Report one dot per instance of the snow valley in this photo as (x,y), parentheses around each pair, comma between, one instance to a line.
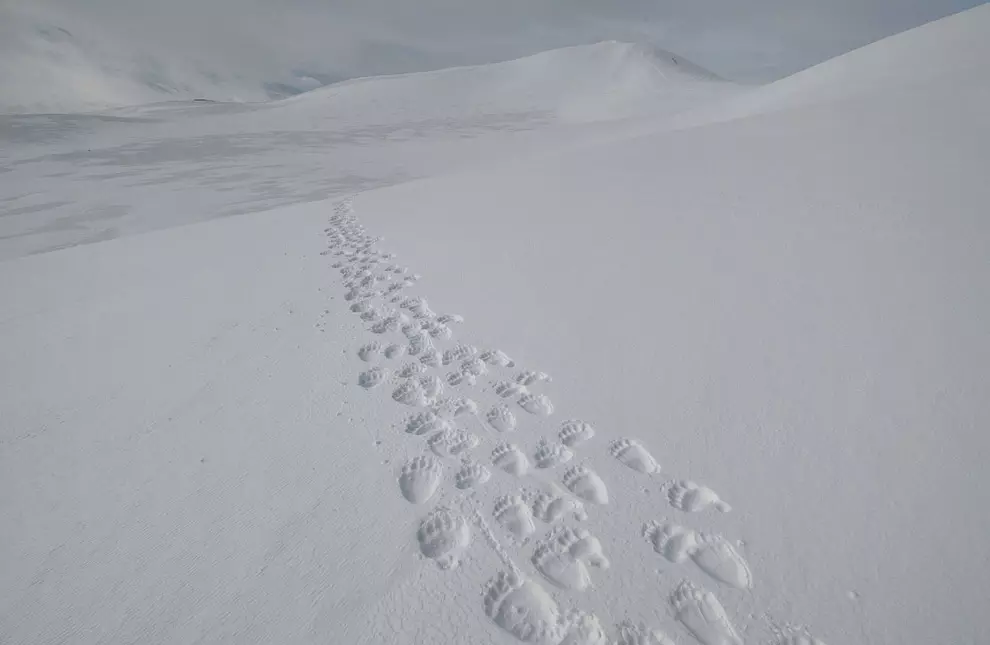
(588,347)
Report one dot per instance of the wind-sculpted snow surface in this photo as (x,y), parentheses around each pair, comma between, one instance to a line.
(535,505)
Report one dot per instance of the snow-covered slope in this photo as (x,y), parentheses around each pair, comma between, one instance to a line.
(953,48)
(788,307)
(729,382)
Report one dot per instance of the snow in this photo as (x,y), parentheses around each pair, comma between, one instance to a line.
(720,374)
(175,163)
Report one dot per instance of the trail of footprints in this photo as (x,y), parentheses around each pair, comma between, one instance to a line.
(424,368)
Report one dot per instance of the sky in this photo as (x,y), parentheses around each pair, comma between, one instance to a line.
(756,40)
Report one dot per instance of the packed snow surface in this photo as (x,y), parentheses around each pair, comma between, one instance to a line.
(717,374)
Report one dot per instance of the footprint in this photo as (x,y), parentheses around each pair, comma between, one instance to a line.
(458,353)
(515,516)
(528,378)
(703,615)
(419,344)
(361,307)
(551,454)
(510,458)
(474,366)
(395,350)
(411,329)
(582,628)
(551,507)
(633,634)
(497,357)
(392,323)
(441,332)
(691,498)
(471,475)
(538,404)
(371,315)
(586,484)
(632,453)
(412,303)
(372,378)
(430,358)
(370,352)
(432,385)
(720,560)
(574,432)
(501,418)
(456,379)
(672,541)
(443,535)
(425,423)
(522,608)
(411,393)
(451,408)
(563,557)
(410,370)
(420,478)
(452,442)
(505,389)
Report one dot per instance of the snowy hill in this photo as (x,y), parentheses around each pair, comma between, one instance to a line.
(608,80)
(788,306)
(952,49)
(519,371)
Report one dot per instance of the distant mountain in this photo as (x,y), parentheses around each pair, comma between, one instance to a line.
(48,67)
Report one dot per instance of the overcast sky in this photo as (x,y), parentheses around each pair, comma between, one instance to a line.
(739,39)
